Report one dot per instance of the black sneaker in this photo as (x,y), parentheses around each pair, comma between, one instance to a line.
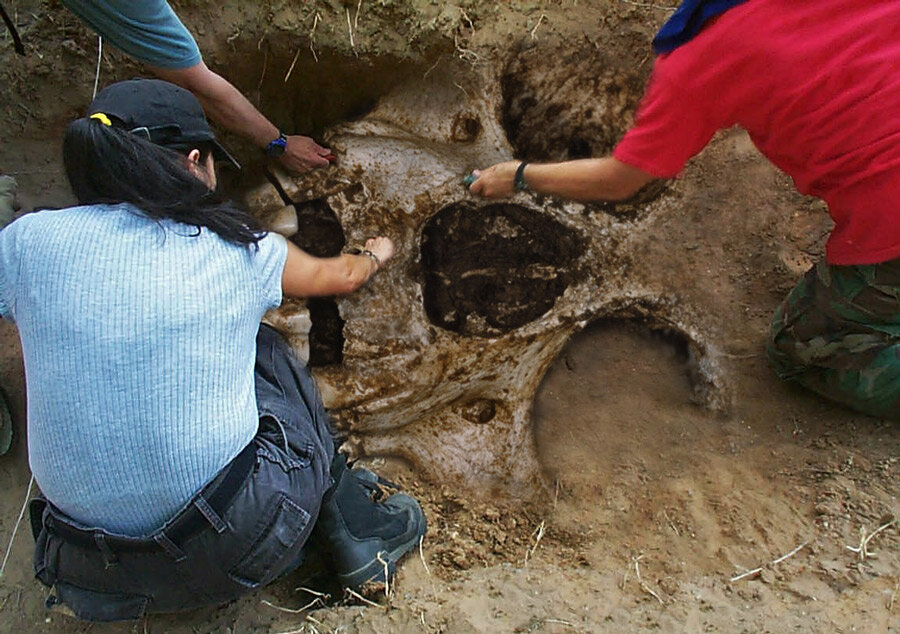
(366,536)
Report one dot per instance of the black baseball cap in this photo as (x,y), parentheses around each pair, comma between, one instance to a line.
(162,112)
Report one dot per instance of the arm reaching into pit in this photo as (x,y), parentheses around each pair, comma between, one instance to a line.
(225,105)
(584,179)
(152,33)
(308,276)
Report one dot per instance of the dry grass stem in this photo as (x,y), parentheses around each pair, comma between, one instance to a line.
(99,59)
(15,530)
(359,597)
(648,6)
(671,524)
(422,555)
(863,549)
(538,535)
(291,69)
(890,606)
(467,19)
(350,29)
(465,54)
(774,562)
(315,593)
(387,576)
(560,622)
(312,37)
(433,66)
(644,586)
(316,601)
(536,26)
(356,18)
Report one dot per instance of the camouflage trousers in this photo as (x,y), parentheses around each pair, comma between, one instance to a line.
(838,334)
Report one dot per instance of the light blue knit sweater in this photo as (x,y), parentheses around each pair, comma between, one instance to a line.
(139,346)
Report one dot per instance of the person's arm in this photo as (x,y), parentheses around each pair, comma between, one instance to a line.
(12,246)
(225,105)
(308,276)
(584,179)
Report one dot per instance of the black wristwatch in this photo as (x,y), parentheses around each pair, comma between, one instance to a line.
(276,147)
(519,183)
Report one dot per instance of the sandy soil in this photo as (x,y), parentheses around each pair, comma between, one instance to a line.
(663,517)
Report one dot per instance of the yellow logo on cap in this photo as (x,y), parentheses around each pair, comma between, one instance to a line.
(102,118)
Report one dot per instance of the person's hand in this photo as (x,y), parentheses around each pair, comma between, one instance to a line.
(303,154)
(382,247)
(496,181)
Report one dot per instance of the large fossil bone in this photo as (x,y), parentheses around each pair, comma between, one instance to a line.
(444,350)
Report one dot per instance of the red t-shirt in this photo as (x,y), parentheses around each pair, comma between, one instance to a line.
(816,84)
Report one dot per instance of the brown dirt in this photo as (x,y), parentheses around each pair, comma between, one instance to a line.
(494,268)
(656,504)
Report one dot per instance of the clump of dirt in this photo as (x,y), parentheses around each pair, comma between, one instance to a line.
(476,534)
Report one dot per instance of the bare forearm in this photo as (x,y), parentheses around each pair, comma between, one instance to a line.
(225,105)
(344,274)
(308,276)
(585,179)
(331,276)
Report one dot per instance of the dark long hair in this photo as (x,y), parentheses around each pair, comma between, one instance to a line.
(109,165)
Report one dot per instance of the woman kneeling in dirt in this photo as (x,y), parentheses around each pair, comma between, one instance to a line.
(183,450)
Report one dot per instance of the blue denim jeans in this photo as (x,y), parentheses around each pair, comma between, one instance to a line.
(204,556)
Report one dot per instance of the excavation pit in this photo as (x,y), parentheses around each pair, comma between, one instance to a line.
(551,114)
(326,336)
(491,269)
(319,231)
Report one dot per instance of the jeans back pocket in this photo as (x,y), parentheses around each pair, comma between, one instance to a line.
(277,544)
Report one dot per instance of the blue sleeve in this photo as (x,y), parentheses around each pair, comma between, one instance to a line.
(148,31)
(268,263)
(9,268)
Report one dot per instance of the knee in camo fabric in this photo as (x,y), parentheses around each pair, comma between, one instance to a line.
(838,334)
